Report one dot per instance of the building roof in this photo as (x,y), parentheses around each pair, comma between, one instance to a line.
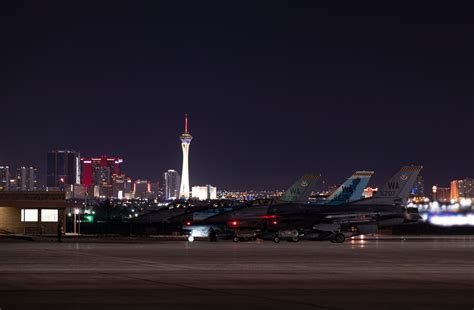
(36,200)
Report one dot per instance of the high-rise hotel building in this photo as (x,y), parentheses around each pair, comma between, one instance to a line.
(63,168)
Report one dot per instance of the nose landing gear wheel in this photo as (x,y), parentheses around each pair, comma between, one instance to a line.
(276,239)
(236,239)
(339,238)
(295,239)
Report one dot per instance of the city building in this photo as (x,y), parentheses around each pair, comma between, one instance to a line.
(119,182)
(141,189)
(204,192)
(4,178)
(171,184)
(75,191)
(63,168)
(186,138)
(26,179)
(93,191)
(469,187)
(129,196)
(462,189)
(100,170)
(441,194)
(105,191)
(155,190)
(12,184)
(419,187)
(128,186)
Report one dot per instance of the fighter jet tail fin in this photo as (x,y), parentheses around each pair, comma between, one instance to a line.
(300,191)
(397,189)
(351,189)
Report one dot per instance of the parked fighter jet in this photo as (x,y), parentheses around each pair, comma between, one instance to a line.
(299,192)
(328,222)
(350,190)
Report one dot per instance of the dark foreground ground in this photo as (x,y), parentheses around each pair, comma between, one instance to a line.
(384,274)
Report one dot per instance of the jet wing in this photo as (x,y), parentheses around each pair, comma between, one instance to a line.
(353,218)
(358,217)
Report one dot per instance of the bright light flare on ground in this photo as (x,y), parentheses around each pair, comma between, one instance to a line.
(452,220)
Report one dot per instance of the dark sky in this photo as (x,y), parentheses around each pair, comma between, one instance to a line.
(273,89)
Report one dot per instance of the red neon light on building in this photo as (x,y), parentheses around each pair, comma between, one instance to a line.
(87,173)
(103,161)
(116,167)
(89,165)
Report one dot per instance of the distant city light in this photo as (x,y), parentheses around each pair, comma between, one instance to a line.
(452,219)
(465,202)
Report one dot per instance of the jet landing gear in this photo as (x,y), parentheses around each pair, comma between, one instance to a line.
(288,235)
(294,239)
(277,239)
(338,238)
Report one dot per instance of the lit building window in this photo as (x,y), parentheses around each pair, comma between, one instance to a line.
(49,215)
(29,215)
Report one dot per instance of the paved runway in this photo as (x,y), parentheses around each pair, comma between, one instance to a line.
(391,274)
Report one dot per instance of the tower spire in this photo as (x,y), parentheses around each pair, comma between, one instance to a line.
(186,123)
(185,138)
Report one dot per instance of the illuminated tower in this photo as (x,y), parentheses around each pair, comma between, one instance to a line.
(185,142)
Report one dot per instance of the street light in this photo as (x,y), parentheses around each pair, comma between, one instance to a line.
(76,218)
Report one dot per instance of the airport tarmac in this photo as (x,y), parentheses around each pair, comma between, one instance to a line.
(360,274)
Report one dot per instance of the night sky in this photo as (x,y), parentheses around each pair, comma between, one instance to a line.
(273,89)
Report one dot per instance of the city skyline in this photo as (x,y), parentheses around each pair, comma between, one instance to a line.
(86,176)
(302,90)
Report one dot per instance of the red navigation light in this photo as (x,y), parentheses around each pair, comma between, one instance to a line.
(188,223)
(234,223)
